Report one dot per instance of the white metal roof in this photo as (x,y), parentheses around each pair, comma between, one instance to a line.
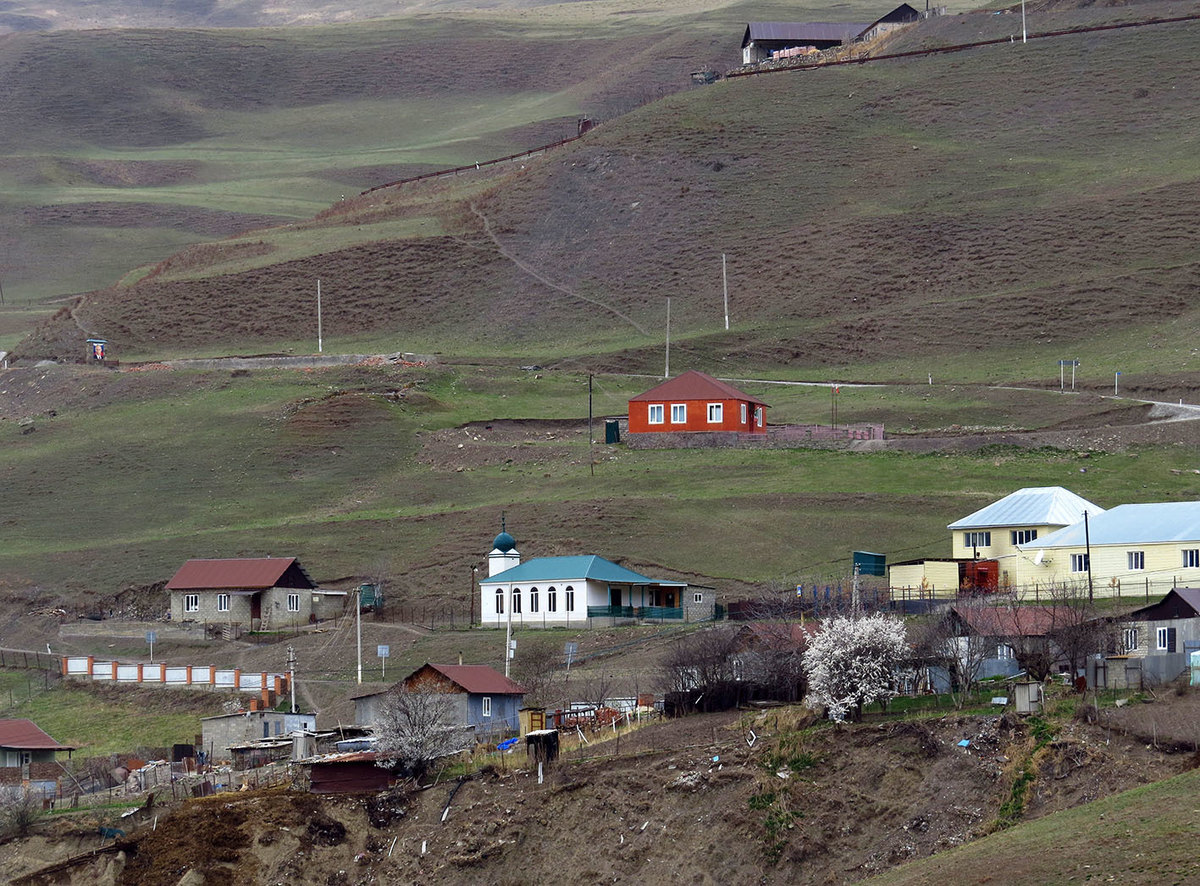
(1142,524)
(1032,506)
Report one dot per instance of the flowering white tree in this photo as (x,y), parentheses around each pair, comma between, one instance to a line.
(852,662)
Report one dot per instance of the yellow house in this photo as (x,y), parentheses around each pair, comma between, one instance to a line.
(1004,528)
(1135,550)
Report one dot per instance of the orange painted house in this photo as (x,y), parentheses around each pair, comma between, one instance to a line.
(696,402)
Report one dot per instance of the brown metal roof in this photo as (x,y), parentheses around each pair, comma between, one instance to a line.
(26,735)
(693,385)
(479,678)
(260,572)
(1019,621)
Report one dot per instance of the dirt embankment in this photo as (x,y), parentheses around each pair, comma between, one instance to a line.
(701,800)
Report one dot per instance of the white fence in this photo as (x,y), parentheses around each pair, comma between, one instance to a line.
(87,667)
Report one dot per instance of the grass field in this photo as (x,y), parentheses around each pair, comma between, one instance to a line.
(97,723)
(350,468)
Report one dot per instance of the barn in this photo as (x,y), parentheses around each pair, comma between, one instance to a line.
(695,401)
(761,40)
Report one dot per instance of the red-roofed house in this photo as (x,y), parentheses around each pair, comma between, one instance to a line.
(262,593)
(486,700)
(28,758)
(693,402)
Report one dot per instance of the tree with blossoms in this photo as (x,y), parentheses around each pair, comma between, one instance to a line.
(852,662)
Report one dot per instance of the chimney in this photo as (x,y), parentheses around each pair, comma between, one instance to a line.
(460,659)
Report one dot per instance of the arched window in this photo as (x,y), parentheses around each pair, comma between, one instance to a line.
(570,599)
(533,599)
(499,601)
(552,599)
(516,595)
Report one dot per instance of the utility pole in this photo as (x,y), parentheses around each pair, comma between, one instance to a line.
(667,369)
(1,293)
(508,633)
(855,602)
(1087,542)
(1024,35)
(591,436)
(725,287)
(319,343)
(292,674)
(358,619)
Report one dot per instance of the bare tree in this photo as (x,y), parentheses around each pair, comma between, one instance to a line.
(1076,627)
(539,668)
(19,809)
(1068,629)
(700,659)
(957,640)
(415,727)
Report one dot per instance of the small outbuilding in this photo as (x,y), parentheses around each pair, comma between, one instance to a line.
(29,758)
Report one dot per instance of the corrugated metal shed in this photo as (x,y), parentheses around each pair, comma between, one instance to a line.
(1032,506)
(804,32)
(694,385)
(258,572)
(1140,524)
(26,735)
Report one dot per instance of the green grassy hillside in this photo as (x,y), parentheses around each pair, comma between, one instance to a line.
(121,147)
(964,215)
(1140,836)
(113,479)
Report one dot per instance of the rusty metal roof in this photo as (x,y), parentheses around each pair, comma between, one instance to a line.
(25,734)
(478,678)
(259,572)
(694,385)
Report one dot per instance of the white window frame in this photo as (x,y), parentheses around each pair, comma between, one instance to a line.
(758,416)
(499,601)
(516,601)
(679,413)
(1136,560)
(654,414)
(1024,536)
(570,598)
(1129,639)
(716,411)
(977,539)
(743,413)
(293,603)
(1079,563)
(191,602)
(222,602)
(552,599)
(1191,558)
(1162,638)
(698,597)
(486,705)
(533,599)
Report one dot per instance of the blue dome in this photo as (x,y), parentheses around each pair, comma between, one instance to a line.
(504,542)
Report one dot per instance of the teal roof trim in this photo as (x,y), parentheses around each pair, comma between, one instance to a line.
(544,569)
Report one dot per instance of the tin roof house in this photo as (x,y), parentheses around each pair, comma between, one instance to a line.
(485,700)
(1130,550)
(693,402)
(579,590)
(28,757)
(765,40)
(986,544)
(258,593)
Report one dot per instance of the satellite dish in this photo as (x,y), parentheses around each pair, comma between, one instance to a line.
(1037,558)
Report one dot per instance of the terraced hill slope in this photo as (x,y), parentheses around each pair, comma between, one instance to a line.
(964,213)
